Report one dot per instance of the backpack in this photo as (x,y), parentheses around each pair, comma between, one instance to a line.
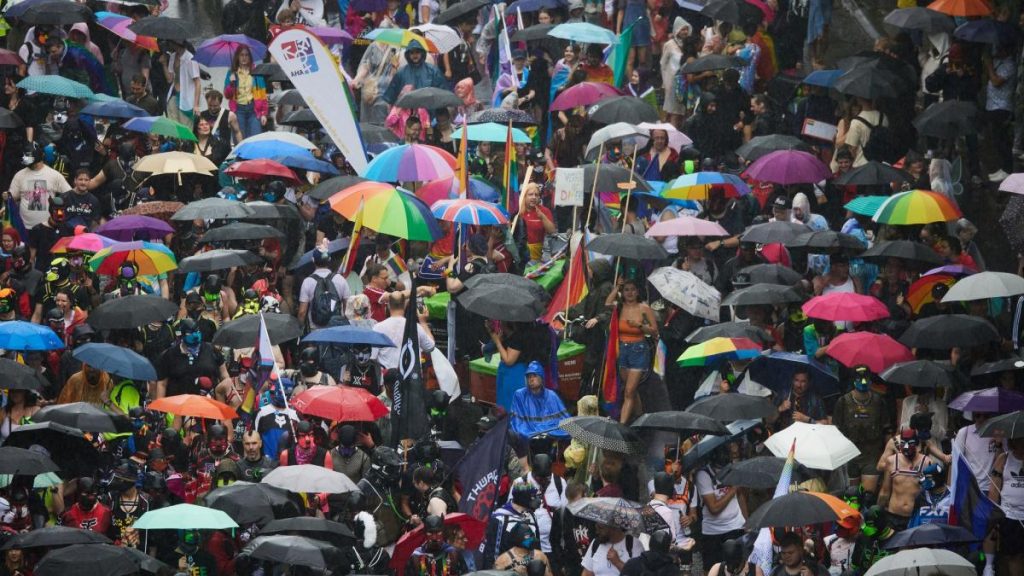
(882,142)
(326,303)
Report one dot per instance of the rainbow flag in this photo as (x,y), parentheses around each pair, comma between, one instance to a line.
(762,554)
(12,218)
(462,162)
(610,375)
(351,255)
(573,287)
(510,181)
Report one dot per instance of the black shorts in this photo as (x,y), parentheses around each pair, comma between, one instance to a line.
(1011,534)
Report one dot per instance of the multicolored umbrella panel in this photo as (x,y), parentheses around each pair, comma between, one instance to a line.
(149,258)
(410,163)
(916,207)
(85,242)
(402,38)
(921,291)
(219,51)
(119,24)
(716,350)
(697,186)
(475,212)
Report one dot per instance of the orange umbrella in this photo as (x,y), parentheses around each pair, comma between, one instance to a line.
(347,202)
(800,509)
(194,405)
(962,7)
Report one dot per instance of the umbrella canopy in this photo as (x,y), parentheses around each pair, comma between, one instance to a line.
(709,444)
(731,330)
(148,258)
(921,291)
(986,31)
(69,447)
(473,529)
(83,416)
(163,28)
(948,119)
(254,149)
(584,32)
(130,312)
(718,350)
(628,516)
(444,37)
(711,63)
(410,163)
(491,132)
(869,83)
(506,279)
(17,376)
(26,336)
(759,473)
(873,174)
(603,433)
(631,246)
(309,478)
(340,403)
(1014,184)
(774,232)
(114,109)
(759,146)
(22,462)
(262,168)
(828,242)
(219,259)
(244,331)
(220,50)
(845,307)
(161,126)
(159,209)
(676,139)
(923,561)
(994,400)
(610,176)
(56,86)
(349,336)
(818,446)
(1010,364)
(920,18)
(430,98)
(118,24)
(686,226)
(628,109)
(776,370)
(319,528)
(920,374)
(949,331)
(965,8)
(116,360)
(823,78)
(684,423)
(583,94)
(246,502)
(530,33)
(294,551)
(1009,426)
(788,167)
(985,285)
(876,351)
(184,517)
(503,116)
(904,250)
(331,186)
(735,11)
(762,294)
(54,536)
(769,274)
(129,228)
(934,534)
(459,9)
(195,406)
(88,560)
(49,12)
(174,163)
(240,231)
(502,302)
(731,407)
(800,509)
(401,38)
(398,213)
(473,212)
(687,291)
(697,186)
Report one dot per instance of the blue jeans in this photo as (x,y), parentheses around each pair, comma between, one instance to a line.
(248,122)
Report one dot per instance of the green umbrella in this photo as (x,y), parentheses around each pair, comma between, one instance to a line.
(160,125)
(865,205)
(185,517)
(56,86)
(492,132)
(44,480)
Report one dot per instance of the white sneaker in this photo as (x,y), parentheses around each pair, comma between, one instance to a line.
(997,176)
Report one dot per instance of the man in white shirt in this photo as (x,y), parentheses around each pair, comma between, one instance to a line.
(394,328)
(182,73)
(610,551)
(322,261)
(34,185)
(980,452)
(723,518)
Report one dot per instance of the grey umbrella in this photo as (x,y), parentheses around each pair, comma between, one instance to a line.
(609,176)
(873,174)
(985,285)
(218,260)
(213,209)
(618,131)
(769,274)
(631,246)
(711,63)
(430,98)
(762,294)
(760,145)
(163,28)
(294,551)
(948,119)
(921,374)
(772,232)
(622,109)
(730,330)
(604,433)
(919,18)
(239,231)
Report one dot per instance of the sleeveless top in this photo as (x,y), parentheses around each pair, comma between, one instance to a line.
(1012,494)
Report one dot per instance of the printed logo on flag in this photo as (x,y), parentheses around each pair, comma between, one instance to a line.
(301,50)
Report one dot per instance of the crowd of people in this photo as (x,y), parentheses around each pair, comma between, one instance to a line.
(770,291)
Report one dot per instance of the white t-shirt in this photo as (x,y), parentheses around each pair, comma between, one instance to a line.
(311,12)
(394,329)
(187,73)
(33,54)
(596,559)
(729,519)
(980,453)
(671,517)
(308,289)
(33,190)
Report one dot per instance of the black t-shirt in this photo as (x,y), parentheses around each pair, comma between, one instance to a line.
(45,295)
(183,371)
(82,209)
(42,238)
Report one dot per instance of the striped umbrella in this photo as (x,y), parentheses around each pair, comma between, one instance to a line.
(348,200)
(920,292)
(160,125)
(119,24)
(85,242)
(916,207)
(410,163)
(402,215)
(150,258)
(475,212)
(716,350)
(696,186)
(402,38)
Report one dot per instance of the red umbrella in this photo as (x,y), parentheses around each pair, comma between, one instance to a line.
(583,94)
(10,58)
(340,403)
(263,168)
(845,307)
(410,541)
(876,351)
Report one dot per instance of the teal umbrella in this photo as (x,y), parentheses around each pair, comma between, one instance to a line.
(184,517)
(492,132)
(56,86)
(585,33)
(865,205)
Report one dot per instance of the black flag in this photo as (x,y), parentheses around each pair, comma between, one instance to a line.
(480,470)
(408,411)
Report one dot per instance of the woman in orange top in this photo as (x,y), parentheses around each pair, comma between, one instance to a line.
(636,324)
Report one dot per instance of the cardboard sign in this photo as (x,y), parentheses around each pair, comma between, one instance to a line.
(819,130)
(569,187)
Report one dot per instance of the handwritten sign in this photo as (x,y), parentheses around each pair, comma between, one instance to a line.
(569,187)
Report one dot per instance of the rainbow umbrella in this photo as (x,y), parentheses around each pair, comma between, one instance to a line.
(865,205)
(916,207)
(696,186)
(400,214)
(920,292)
(475,212)
(402,38)
(150,258)
(348,201)
(220,50)
(410,163)
(716,350)
(119,24)
(85,242)
(160,125)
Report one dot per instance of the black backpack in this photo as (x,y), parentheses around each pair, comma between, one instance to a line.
(882,144)
(326,303)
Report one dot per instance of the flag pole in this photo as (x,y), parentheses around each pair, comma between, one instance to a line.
(348,251)
(593,187)
(568,277)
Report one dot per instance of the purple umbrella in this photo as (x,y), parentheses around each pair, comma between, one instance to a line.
(788,167)
(369,5)
(953,269)
(219,51)
(990,400)
(331,36)
(129,228)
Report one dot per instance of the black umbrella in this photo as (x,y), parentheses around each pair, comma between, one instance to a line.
(948,119)
(730,407)
(267,211)
(53,536)
(711,63)
(536,32)
(869,83)
(67,446)
(163,28)
(327,188)
(873,174)
(502,302)
(430,98)
(762,294)
(629,109)
(129,312)
(760,145)
(685,423)
(292,98)
(219,259)
(147,563)
(1010,425)
(794,509)
(769,274)
(271,72)
(1005,365)
(88,560)
(709,444)
(457,11)
(628,516)
(319,528)
(827,241)
(243,332)
(870,60)
(55,13)
(83,416)
(949,331)
(504,279)
(213,209)
(9,120)
(503,116)
(373,134)
(903,249)
(920,374)
(19,461)
(246,502)
(920,18)
(609,176)
(736,12)
(730,330)
(304,118)
(603,433)
(17,376)
(986,31)
(238,231)
(772,232)
(759,473)
(304,265)
(933,534)
(631,246)
(294,550)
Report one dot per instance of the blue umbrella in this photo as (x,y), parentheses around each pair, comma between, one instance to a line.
(116,360)
(708,444)
(823,78)
(585,33)
(776,370)
(21,335)
(482,189)
(986,31)
(18,10)
(349,335)
(333,247)
(115,108)
(307,162)
(254,150)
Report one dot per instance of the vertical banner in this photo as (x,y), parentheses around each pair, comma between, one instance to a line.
(480,472)
(310,66)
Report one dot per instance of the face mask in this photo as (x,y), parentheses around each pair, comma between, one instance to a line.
(306,441)
(908,449)
(269,197)
(347,451)
(225,481)
(529,542)
(928,482)
(28,160)
(362,356)
(218,447)
(5,306)
(861,385)
(75,260)
(869,530)
(192,339)
(86,501)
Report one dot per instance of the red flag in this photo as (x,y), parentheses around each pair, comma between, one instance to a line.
(349,262)
(573,287)
(609,378)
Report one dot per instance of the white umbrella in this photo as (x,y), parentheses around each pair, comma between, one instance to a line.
(618,131)
(985,285)
(687,291)
(818,446)
(676,139)
(309,478)
(923,562)
(444,37)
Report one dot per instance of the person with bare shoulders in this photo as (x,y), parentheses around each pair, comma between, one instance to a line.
(901,480)
(636,324)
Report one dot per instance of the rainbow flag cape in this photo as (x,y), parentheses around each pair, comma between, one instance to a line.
(610,375)
(349,262)
(762,554)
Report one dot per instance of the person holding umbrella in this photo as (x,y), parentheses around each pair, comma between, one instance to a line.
(611,549)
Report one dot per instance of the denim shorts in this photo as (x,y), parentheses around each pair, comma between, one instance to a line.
(634,355)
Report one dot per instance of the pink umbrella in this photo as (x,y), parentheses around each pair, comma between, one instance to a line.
(686,226)
(1014,184)
(119,24)
(876,351)
(788,167)
(676,139)
(583,94)
(85,242)
(436,190)
(845,307)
